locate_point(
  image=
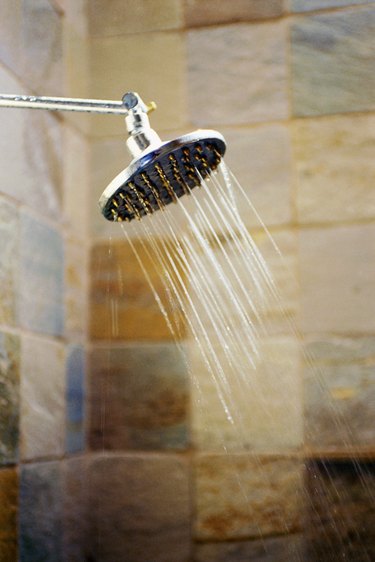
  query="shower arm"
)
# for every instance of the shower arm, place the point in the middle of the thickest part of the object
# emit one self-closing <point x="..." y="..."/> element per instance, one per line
<point x="141" y="136"/>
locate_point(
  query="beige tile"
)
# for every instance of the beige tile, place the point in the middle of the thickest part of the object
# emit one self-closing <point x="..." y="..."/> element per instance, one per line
<point x="115" y="17"/>
<point x="213" y="12"/>
<point x="237" y="74"/>
<point x="10" y="31"/>
<point x="260" y="159"/>
<point x="140" y="505"/>
<point x="240" y="496"/>
<point x="76" y="289"/>
<point x="152" y="64"/>
<point x="335" y="168"/>
<point x="76" y="14"/>
<point x="42" y="398"/>
<point x="338" y="279"/>
<point x="251" y="407"/>
<point x="9" y="240"/>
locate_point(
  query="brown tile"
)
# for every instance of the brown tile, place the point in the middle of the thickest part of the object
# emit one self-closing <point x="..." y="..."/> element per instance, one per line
<point x="340" y="522"/>
<point x="8" y="514"/>
<point x="139" y="398"/>
<point x="242" y="496"/>
<point x="123" y="306"/>
<point x="140" y="507"/>
<point x="211" y="12"/>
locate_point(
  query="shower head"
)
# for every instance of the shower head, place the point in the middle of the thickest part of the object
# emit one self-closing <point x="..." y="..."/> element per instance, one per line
<point x="161" y="172"/>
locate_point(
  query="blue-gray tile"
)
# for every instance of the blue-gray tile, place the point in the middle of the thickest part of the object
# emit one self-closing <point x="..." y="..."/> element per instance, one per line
<point x="75" y="398"/>
<point x="40" y="514"/>
<point x="9" y="397"/>
<point x="41" y="278"/>
<point x="309" y="5"/>
<point x="139" y="397"/>
<point x="333" y="62"/>
<point x="8" y="260"/>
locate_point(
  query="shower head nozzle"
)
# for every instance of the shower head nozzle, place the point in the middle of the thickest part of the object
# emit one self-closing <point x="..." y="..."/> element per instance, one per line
<point x="161" y="171"/>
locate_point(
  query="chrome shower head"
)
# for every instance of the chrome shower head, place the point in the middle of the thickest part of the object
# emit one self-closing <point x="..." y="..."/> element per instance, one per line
<point x="161" y="172"/>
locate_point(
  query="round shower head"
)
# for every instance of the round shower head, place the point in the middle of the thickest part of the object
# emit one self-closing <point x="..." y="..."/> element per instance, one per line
<point x="160" y="175"/>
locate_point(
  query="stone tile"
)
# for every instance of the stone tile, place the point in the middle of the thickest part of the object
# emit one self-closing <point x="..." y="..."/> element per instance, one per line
<point x="248" y="85"/>
<point x="331" y="55"/>
<point x="213" y="12"/>
<point x="75" y="398"/>
<point x="339" y="393"/>
<point x="338" y="187"/>
<point x="241" y="496"/>
<point x="40" y="514"/>
<point x="116" y="18"/>
<point x="337" y="279"/>
<point x="75" y="13"/>
<point x="8" y="260"/>
<point x="275" y="549"/>
<point x="141" y="508"/>
<point x="77" y="188"/>
<point x="76" y="288"/>
<point x="40" y="305"/>
<point x="303" y="6"/>
<point x="340" y="518"/>
<point x="9" y="397"/>
<point x="127" y="55"/>
<point x="34" y="142"/>
<point x="122" y="305"/>
<point x="10" y="30"/>
<point x="260" y="159"/>
<point x="139" y="398"/>
<point x="263" y="400"/>
<point x="76" y="535"/>
<point x="42" y="398"/>
<point x="8" y="514"/>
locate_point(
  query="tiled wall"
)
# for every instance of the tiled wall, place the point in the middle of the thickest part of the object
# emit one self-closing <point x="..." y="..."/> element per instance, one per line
<point x="290" y="85"/>
<point x="43" y="293"/>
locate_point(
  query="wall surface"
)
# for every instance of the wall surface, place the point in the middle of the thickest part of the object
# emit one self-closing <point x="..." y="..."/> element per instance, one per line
<point x="120" y="461"/>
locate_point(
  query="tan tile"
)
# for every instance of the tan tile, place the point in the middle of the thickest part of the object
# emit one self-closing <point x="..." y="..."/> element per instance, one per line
<point x="42" y="423"/>
<point x="335" y="168"/>
<point x="152" y="64"/>
<point x="76" y="288"/>
<point x="239" y="496"/>
<point x="10" y="31"/>
<point x="237" y="74"/>
<point x="123" y="306"/>
<point x="8" y="260"/>
<point x="337" y="275"/>
<point x="213" y="12"/>
<point x="114" y="17"/>
<point x="8" y="514"/>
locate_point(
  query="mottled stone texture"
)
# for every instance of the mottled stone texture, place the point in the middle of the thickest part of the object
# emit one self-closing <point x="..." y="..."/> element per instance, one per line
<point x="8" y="260"/>
<point x="234" y="499"/>
<point x="32" y="44"/>
<point x="113" y="58"/>
<point x="307" y="5"/>
<point x="339" y="390"/>
<point x="8" y="514"/>
<point x="76" y="527"/>
<point x="42" y="398"/>
<point x="114" y="17"/>
<point x="139" y="398"/>
<point x="75" y="398"/>
<point x="335" y="168"/>
<point x="340" y="522"/>
<point x="274" y="549"/>
<point x="337" y="272"/>
<point x="40" y="514"/>
<point x="333" y="63"/>
<point x="41" y="277"/>
<point x="237" y="74"/>
<point x="123" y="306"/>
<point x="9" y="397"/>
<point x="211" y="12"/>
<point x="260" y="160"/>
<point x="140" y="508"/>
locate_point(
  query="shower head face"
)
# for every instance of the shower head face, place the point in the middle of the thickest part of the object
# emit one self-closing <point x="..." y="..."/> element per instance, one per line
<point x="161" y="175"/>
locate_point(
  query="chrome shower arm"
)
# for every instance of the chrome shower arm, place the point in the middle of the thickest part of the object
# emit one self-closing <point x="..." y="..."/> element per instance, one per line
<point x="68" y="104"/>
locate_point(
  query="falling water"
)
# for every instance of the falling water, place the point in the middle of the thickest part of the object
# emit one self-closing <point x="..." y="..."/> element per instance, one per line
<point x="244" y="353"/>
